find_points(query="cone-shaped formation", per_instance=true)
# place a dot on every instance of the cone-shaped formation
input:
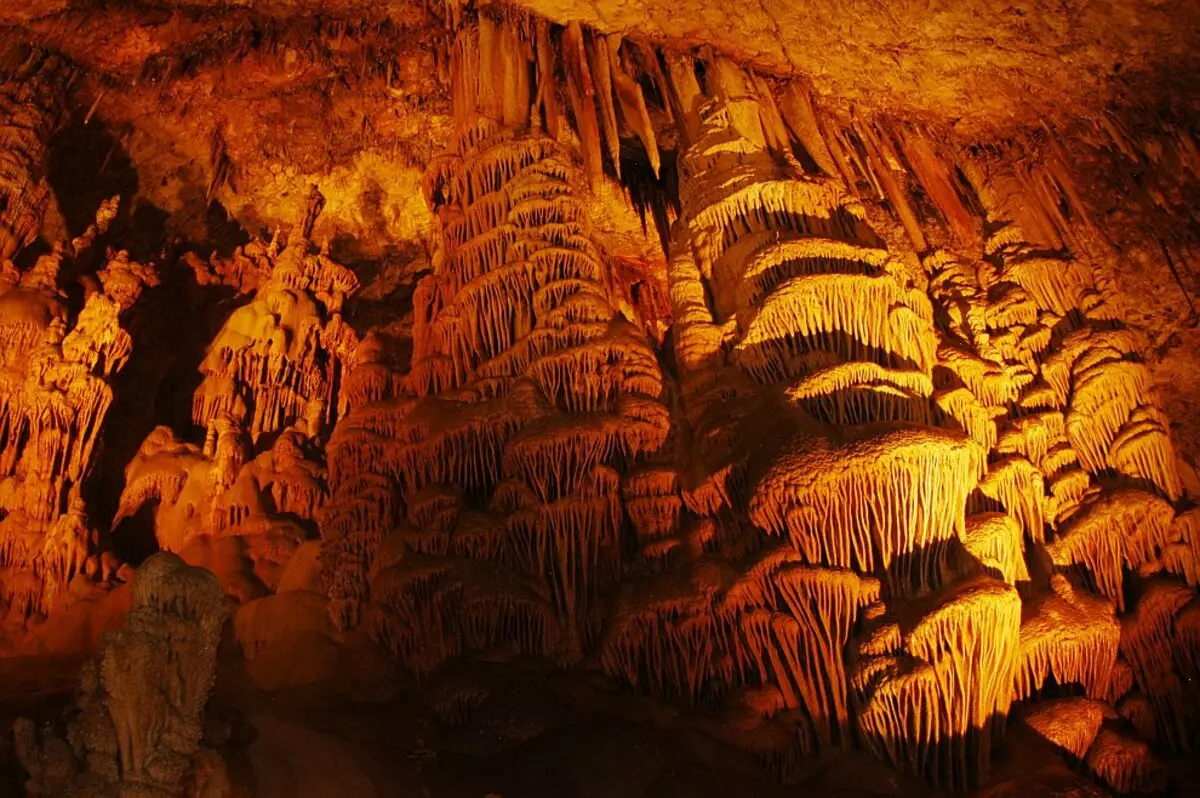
(526, 389)
(31, 97)
(55, 392)
(141, 707)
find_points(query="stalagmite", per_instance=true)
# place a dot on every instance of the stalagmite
(140, 714)
(526, 389)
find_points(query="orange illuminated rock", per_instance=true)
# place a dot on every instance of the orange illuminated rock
(861, 457)
(55, 393)
(526, 388)
(1070, 635)
(1069, 723)
(930, 697)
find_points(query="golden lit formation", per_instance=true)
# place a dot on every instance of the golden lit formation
(858, 452)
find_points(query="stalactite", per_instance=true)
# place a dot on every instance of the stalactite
(581, 92)
(825, 604)
(526, 385)
(1147, 644)
(931, 705)
(1070, 635)
(278, 359)
(1124, 764)
(664, 636)
(997, 542)
(796, 105)
(219, 490)
(1137, 710)
(427, 610)
(632, 103)
(601, 71)
(54, 398)
(893, 495)
(1121, 528)
(934, 176)
(1019, 487)
(847, 444)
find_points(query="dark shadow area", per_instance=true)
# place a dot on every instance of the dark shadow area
(133, 540)
(172, 326)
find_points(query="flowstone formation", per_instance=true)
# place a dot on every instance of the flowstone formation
(948, 436)
(477, 502)
(137, 725)
(55, 394)
(242, 503)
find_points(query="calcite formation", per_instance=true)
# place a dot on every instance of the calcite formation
(244, 500)
(498, 454)
(139, 717)
(54, 396)
(865, 456)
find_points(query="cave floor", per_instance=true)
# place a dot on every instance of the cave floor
(530, 732)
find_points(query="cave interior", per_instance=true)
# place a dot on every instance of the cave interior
(615, 400)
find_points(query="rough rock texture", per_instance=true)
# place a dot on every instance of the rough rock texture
(139, 717)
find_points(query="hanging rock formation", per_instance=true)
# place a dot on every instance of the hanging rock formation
(865, 456)
(54, 396)
(242, 503)
(478, 502)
